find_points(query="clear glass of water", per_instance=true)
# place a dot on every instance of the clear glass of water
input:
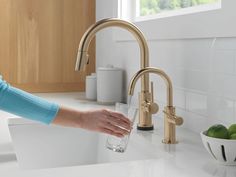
(120, 144)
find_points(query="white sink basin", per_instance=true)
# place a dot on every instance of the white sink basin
(41, 146)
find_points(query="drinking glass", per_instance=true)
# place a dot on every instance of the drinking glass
(118, 144)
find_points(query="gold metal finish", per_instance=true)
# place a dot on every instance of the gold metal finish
(152, 92)
(170, 119)
(145, 121)
(153, 107)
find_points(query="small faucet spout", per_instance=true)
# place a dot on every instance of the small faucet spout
(159, 72)
(170, 119)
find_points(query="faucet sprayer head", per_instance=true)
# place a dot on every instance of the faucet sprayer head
(82, 60)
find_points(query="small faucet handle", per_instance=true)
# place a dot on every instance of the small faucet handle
(152, 93)
(178, 120)
(174, 119)
(148, 105)
(153, 108)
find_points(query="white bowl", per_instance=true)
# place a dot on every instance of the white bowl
(223, 150)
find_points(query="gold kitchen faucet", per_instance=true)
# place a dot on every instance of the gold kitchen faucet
(147, 107)
(170, 119)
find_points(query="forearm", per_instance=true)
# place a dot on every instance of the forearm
(102, 120)
(26, 105)
(68, 117)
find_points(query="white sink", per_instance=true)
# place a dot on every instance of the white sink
(41, 146)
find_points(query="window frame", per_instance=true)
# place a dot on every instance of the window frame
(183, 11)
(206, 24)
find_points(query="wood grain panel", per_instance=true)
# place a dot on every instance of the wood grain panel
(39, 41)
(4, 38)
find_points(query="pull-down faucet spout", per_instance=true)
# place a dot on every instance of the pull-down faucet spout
(145, 119)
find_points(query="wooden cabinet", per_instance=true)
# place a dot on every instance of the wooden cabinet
(39, 40)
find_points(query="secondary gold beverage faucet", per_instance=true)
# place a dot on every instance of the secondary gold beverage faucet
(145, 97)
(170, 119)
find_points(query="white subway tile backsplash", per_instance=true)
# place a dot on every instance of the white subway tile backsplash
(229, 87)
(178, 77)
(158, 55)
(179, 98)
(192, 121)
(193, 59)
(203, 73)
(223, 61)
(197, 80)
(190, 79)
(200, 44)
(196, 103)
(221, 109)
(160, 92)
(225, 44)
(181, 54)
(130, 53)
(216, 84)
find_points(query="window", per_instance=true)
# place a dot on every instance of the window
(151, 7)
(207, 18)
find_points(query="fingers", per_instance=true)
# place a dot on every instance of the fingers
(117, 129)
(110, 132)
(120, 116)
(118, 119)
(117, 122)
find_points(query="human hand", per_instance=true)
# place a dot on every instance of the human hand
(106, 121)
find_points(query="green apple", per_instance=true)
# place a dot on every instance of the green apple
(218, 131)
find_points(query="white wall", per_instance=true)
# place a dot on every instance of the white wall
(203, 71)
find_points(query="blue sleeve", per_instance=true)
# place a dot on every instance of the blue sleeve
(26, 105)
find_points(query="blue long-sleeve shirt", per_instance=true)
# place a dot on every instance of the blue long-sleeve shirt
(26, 105)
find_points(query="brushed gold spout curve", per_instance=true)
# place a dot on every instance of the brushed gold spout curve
(112, 22)
(159, 72)
(145, 117)
(170, 119)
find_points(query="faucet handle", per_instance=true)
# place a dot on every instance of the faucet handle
(152, 93)
(153, 108)
(174, 119)
(178, 120)
(149, 105)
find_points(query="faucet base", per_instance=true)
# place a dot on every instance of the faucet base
(145, 128)
(145, 119)
(169, 142)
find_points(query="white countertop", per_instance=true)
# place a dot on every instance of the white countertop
(186, 159)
